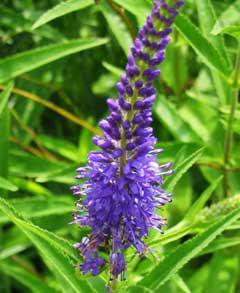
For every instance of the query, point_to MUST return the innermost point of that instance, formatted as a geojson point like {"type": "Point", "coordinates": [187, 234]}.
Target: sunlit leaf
{"type": "Point", "coordinates": [15, 65]}
{"type": "Point", "coordinates": [53, 248]}
{"type": "Point", "coordinates": [61, 9]}
{"type": "Point", "coordinates": [228, 20]}
{"type": "Point", "coordinates": [185, 252]}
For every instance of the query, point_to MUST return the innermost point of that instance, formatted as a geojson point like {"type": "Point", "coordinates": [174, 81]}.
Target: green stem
{"type": "Point", "coordinates": [177, 70]}
{"type": "Point", "coordinates": [229, 133]}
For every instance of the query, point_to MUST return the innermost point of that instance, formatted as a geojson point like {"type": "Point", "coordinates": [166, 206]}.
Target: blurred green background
{"type": "Point", "coordinates": [59, 62]}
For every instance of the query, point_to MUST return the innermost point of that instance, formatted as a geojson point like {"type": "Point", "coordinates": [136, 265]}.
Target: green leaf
{"type": "Point", "coordinates": [35, 284]}
{"type": "Point", "coordinates": [181, 284]}
{"type": "Point", "coordinates": [61, 9]}
{"type": "Point", "coordinates": [207, 18]}
{"type": "Point", "coordinates": [4, 130]}
{"type": "Point", "coordinates": [118, 72]}
{"type": "Point", "coordinates": [4, 96]}
{"type": "Point", "coordinates": [201, 45]}
{"type": "Point", "coordinates": [14, 242]}
{"type": "Point", "coordinates": [18, 64]}
{"type": "Point", "coordinates": [30, 186]}
{"type": "Point", "coordinates": [31, 207]}
{"type": "Point", "coordinates": [117, 26]}
{"type": "Point", "coordinates": [230, 18]}
{"type": "Point", "coordinates": [20, 22]}
{"type": "Point", "coordinates": [201, 201]}
{"type": "Point", "coordinates": [55, 250]}
{"type": "Point", "coordinates": [168, 114]}
{"type": "Point", "coordinates": [84, 144]}
{"type": "Point", "coordinates": [172, 263]}
{"type": "Point", "coordinates": [60, 146]}
{"type": "Point", "coordinates": [181, 169]}
{"type": "Point", "coordinates": [224, 274]}
{"type": "Point", "coordinates": [64, 176]}
{"type": "Point", "coordinates": [59, 243]}
{"type": "Point", "coordinates": [140, 10]}
{"type": "Point", "coordinates": [23, 164]}
{"type": "Point", "coordinates": [221, 243]}
{"type": "Point", "coordinates": [5, 184]}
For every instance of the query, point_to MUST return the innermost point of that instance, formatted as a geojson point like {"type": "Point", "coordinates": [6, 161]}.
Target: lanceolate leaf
{"type": "Point", "coordinates": [5, 184]}
{"type": "Point", "coordinates": [13, 66]}
{"type": "Point", "coordinates": [59, 243]}
{"type": "Point", "coordinates": [4, 130]}
{"type": "Point", "coordinates": [40, 207]}
{"type": "Point", "coordinates": [200, 202]}
{"type": "Point", "coordinates": [61, 147]}
{"type": "Point", "coordinates": [201, 45]}
{"type": "Point", "coordinates": [4, 96]}
{"type": "Point", "coordinates": [182, 169]}
{"type": "Point", "coordinates": [61, 9]}
{"type": "Point", "coordinates": [55, 250]}
{"type": "Point", "coordinates": [207, 18]}
{"type": "Point", "coordinates": [140, 10]}
{"type": "Point", "coordinates": [221, 243]}
{"type": "Point", "coordinates": [167, 113]}
{"type": "Point", "coordinates": [229, 18]}
{"type": "Point", "coordinates": [117, 26]}
{"type": "Point", "coordinates": [185, 252]}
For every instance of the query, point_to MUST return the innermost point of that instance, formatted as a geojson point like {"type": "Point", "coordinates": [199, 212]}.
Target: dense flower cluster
{"type": "Point", "coordinates": [122, 186]}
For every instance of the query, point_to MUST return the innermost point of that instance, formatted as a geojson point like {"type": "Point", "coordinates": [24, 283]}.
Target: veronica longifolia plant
{"type": "Point", "coordinates": [123, 181]}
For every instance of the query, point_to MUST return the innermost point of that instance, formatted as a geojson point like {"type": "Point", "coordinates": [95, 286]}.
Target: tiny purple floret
{"type": "Point", "coordinates": [120, 187]}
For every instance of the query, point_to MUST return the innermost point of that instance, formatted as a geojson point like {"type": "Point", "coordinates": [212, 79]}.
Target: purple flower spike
{"type": "Point", "coordinates": [122, 187]}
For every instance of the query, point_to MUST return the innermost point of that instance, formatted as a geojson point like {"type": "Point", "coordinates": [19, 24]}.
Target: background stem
{"type": "Point", "coordinates": [229, 133]}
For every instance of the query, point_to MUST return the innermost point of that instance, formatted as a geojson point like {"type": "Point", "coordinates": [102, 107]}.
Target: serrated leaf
{"type": "Point", "coordinates": [35, 284]}
{"type": "Point", "coordinates": [201, 45]}
{"type": "Point", "coordinates": [172, 263]}
{"type": "Point", "coordinates": [61, 9]}
{"type": "Point", "coordinates": [31, 207]}
{"type": "Point", "coordinates": [171, 181]}
{"type": "Point", "coordinates": [55, 250]}
{"type": "Point", "coordinates": [59, 243]}
{"type": "Point", "coordinates": [18, 64]}
{"type": "Point", "coordinates": [229, 18]}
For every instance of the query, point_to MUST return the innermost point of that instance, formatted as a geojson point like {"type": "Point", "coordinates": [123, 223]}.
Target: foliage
{"type": "Point", "coordinates": [59, 61]}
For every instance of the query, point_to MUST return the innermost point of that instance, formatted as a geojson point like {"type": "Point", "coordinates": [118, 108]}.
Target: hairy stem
{"type": "Point", "coordinates": [229, 133]}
